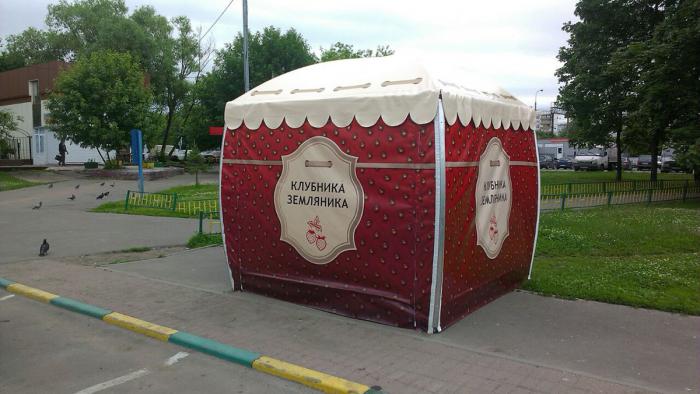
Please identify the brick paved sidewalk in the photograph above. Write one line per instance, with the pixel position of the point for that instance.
(400, 361)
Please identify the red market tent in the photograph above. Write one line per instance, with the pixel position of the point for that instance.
(380, 189)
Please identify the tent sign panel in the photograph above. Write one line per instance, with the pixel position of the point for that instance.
(493, 198)
(319, 200)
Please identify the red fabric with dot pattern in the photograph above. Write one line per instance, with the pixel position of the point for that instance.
(387, 279)
(470, 278)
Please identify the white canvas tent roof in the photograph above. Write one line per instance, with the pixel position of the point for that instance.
(366, 89)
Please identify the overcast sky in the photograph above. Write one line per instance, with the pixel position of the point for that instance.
(511, 42)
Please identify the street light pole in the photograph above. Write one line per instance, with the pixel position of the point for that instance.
(541, 90)
(246, 72)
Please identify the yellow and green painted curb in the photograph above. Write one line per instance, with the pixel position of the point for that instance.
(308, 377)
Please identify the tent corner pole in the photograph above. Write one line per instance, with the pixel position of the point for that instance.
(439, 237)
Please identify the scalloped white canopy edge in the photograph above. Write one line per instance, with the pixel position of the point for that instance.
(390, 87)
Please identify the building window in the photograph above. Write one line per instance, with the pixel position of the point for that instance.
(39, 134)
(36, 102)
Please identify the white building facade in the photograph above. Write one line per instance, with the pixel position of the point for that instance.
(23, 93)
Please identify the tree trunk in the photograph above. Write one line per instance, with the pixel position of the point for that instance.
(101, 157)
(618, 148)
(196, 178)
(654, 156)
(169, 123)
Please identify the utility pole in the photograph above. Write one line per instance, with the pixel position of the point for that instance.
(246, 72)
(541, 90)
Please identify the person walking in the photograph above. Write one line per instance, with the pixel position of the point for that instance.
(62, 152)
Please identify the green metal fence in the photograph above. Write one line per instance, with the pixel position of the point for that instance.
(604, 187)
(209, 223)
(549, 202)
(171, 202)
(192, 207)
(136, 199)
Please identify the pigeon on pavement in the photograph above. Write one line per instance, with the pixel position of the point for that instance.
(111, 185)
(102, 184)
(107, 193)
(72, 197)
(101, 196)
(50, 185)
(77, 186)
(44, 249)
(38, 206)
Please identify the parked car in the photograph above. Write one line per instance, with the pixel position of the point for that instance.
(177, 155)
(591, 159)
(547, 161)
(644, 163)
(563, 163)
(212, 155)
(673, 166)
(626, 164)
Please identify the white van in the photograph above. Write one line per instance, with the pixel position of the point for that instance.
(591, 159)
(178, 154)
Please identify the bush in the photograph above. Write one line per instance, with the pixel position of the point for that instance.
(6, 149)
(113, 165)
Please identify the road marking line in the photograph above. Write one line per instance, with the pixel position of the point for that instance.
(179, 356)
(7, 297)
(114, 382)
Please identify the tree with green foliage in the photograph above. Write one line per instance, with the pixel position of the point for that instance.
(665, 105)
(90, 25)
(99, 100)
(341, 50)
(180, 57)
(271, 53)
(594, 93)
(195, 163)
(8, 123)
(32, 46)
(168, 50)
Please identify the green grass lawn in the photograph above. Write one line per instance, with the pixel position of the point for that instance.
(201, 240)
(9, 182)
(644, 256)
(566, 176)
(189, 192)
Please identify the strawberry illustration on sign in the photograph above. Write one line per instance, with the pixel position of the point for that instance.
(493, 229)
(314, 226)
(314, 235)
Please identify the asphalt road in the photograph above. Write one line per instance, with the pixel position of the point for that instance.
(44, 349)
(71, 230)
